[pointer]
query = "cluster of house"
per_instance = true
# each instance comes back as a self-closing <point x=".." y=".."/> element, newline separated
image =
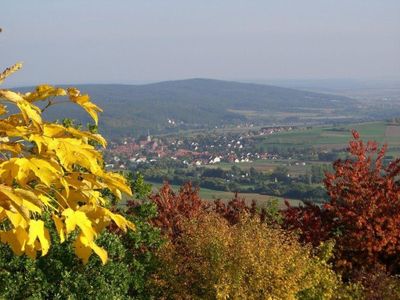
<point x="275" y="129"/>
<point x="190" y="151"/>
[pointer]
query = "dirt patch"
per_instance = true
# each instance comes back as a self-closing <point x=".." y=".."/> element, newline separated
<point x="392" y="131"/>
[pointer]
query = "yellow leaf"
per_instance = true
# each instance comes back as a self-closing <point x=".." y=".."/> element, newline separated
<point x="84" y="101"/>
<point x="12" y="130"/>
<point x="16" y="202"/>
<point x="7" y="72"/>
<point x="116" y="183"/>
<point x="29" y="111"/>
<point x="100" y="252"/>
<point x="43" y="92"/>
<point x="16" y="238"/>
<point x="39" y="140"/>
<point x="74" y="198"/>
<point x="3" y="214"/>
<point x="23" y="170"/>
<point x="38" y="231"/>
<point x="71" y="151"/>
<point x="11" y="96"/>
<point x="84" y="181"/>
<point x="7" y="191"/>
<point x="14" y="148"/>
<point x="46" y="201"/>
<point x="78" y="218"/>
<point x="54" y="130"/>
<point x="10" y="171"/>
<point x="3" y="109"/>
<point x="30" y="251"/>
<point x="84" y="248"/>
<point x="59" y="227"/>
<point x="81" y="249"/>
<point x="99" y="216"/>
<point x="91" y="136"/>
<point x="45" y="170"/>
<point x="29" y="200"/>
<point x="65" y="184"/>
<point x="121" y="221"/>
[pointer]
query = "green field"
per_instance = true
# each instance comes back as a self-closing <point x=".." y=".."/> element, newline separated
<point x="295" y="167"/>
<point x="325" y="138"/>
<point x="335" y="137"/>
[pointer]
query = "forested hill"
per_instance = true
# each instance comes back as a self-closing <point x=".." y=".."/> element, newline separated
<point x="195" y="103"/>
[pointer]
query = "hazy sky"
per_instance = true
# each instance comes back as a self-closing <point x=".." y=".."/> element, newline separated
<point x="117" y="41"/>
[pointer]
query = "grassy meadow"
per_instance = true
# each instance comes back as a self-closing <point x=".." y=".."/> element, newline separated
<point x="336" y="136"/>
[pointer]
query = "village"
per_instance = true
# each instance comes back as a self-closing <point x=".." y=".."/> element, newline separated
<point x="199" y="150"/>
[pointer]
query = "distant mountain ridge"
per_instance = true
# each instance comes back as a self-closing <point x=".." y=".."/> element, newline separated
<point x="194" y="103"/>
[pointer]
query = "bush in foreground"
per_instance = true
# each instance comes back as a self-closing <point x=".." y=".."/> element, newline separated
<point x="249" y="260"/>
<point x="60" y="274"/>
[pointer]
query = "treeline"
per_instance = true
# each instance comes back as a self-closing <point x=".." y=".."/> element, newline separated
<point x="191" y="104"/>
<point x="280" y="183"/>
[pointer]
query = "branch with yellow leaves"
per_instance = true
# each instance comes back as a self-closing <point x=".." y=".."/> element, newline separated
<point x="55" y="169"/>
<point x="7" y="72"/>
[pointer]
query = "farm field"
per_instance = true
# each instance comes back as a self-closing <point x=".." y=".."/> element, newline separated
<point x="301" y="116"/>
<point x="323" y="138"/>
<point x="295" y="167"/>
<point x="336" y="136"/>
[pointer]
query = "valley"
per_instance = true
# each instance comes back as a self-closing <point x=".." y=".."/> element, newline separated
<point x="284" y="162"/>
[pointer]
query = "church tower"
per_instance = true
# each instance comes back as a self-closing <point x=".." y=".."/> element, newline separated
<point x="148" y="136"/>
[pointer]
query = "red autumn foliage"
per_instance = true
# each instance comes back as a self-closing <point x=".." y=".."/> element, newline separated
<point x="173" y="208"/>
<point x="365" y="203"/>
<point x="363" y="214"/>
<point x="232" y="210"/>
<point x="313" y="222"/>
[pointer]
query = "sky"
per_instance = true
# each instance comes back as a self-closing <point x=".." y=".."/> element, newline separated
<point x="129" y="41"/>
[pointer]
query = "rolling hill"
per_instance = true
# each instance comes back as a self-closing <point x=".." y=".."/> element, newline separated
<point x="199" y="103"/>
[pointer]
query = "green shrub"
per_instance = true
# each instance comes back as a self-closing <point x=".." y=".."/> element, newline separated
<point x="60" y="275"/>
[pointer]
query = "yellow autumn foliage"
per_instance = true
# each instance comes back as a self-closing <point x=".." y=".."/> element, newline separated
<point x="214" y="260"/>
<point x="51" y="168"/>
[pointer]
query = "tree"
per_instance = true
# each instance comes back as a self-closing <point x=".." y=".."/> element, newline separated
<point x="365" y="206"/>
<point x="174" y="208"/>
<point x="362" y="215"/>
<point x="317" y="173"/>
<point x="281" y="174"/>
<point x="52" y="169"/>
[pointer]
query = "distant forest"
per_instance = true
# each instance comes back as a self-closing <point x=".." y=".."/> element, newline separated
<point x="131" y="110"/>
